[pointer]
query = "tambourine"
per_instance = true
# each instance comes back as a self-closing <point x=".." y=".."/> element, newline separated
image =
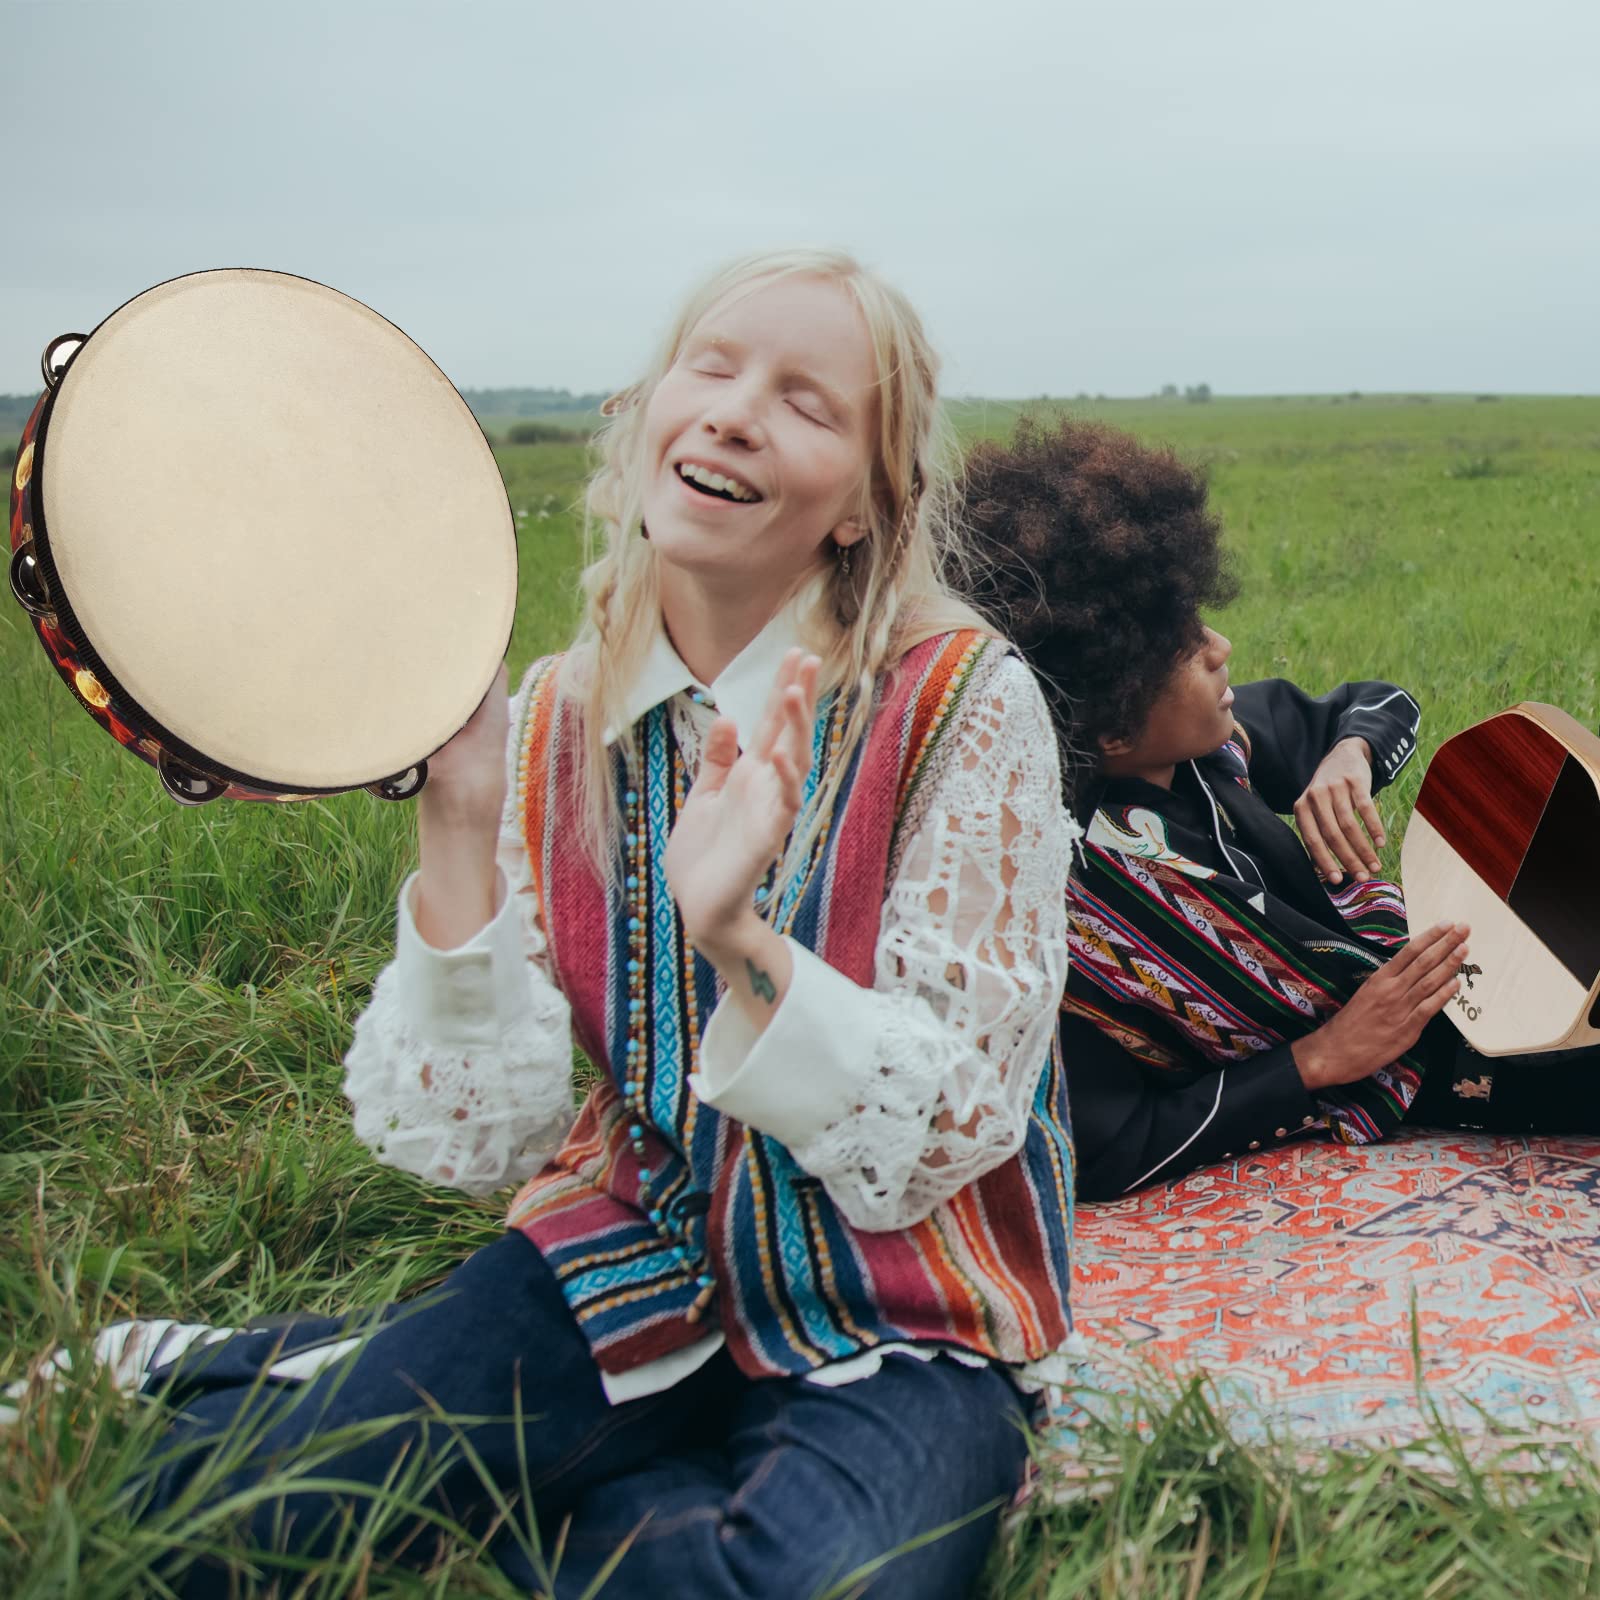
<point x="1506" y="838"/>
<point x="262" y="539"/>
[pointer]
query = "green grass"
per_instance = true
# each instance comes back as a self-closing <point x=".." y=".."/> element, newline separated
<point x="179" y="987"/>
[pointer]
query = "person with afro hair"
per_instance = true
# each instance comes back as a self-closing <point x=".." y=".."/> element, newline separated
<point x="1232" y="986"/>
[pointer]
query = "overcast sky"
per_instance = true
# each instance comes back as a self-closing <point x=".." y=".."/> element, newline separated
<point x="1265" y="195"/>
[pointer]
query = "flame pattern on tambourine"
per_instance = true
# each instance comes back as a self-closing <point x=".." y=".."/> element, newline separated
<point x="121" y="722"/>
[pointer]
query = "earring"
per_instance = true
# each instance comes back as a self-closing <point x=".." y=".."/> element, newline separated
<point x="844" y="559"/>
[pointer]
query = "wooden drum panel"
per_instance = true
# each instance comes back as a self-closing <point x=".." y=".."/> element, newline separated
<point x="1506" y="837"/>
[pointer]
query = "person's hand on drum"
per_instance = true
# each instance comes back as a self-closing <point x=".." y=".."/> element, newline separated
<point x="467" y="778"/>
<point x="1338" y="818"/>
<point x="1386" y="1015"/>
<point x="458" y="824"/>
<point x="742" y="808"/>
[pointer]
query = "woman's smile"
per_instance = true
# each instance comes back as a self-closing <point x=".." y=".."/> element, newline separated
<point x="709" y="480"/>
<point x="759" y="434"/>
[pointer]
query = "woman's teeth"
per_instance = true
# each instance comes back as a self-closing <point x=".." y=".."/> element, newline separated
<point x="715" y="483"/>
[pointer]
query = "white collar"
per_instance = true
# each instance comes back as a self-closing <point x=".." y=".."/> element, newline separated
<point x="741" y="690"/>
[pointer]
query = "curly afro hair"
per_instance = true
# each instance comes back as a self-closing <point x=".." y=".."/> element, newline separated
<point x="1096" y="554"/>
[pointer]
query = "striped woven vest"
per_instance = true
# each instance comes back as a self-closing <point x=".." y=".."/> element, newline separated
<point x="796" y="1285"/>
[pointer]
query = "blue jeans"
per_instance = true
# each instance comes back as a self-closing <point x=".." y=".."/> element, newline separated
<point x="730" y="1486"/>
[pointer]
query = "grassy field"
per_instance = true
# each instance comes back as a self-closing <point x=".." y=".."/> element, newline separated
<point x="179" y="987"/>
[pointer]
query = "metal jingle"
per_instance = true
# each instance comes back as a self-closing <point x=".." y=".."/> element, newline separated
<point x="52" y="373"/>
<point x="185" y="785"/>
<point x="27" y="583"/>
<point x="403" y="785"/>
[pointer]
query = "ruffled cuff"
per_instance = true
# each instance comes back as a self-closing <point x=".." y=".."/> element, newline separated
<point x="470" y="1116"/>
<point x="470" y="995"/>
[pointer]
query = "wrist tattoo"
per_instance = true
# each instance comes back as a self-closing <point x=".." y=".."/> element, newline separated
<point x="761" y="982"/>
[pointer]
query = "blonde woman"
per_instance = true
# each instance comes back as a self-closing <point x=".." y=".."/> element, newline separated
<point x="779" y="843"/>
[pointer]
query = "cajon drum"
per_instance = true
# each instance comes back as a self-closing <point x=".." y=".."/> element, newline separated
<point x="1506" y="837"/>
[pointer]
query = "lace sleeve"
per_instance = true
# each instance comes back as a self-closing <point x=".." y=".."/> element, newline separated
<point x="931" y="1074"/>
<point x="460" y="1069"/>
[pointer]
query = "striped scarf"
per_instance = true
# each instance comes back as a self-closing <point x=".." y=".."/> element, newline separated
<point x="796" y="1285"/>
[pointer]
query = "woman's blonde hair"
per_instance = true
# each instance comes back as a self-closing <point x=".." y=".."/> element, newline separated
<point x="890" y="595"/>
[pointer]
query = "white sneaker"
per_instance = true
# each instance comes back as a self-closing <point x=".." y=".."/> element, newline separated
<point x="129" y="1351"/>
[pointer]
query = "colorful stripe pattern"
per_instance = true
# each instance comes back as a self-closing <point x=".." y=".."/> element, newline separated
<point x="797" y="1286"/>
<point x="1171" y="958"/>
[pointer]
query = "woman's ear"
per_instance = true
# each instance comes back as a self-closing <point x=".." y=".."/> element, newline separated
<point x="1110" y="746"/>
<point x="848" y="533"/>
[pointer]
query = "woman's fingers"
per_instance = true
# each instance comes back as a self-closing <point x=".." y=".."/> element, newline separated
<point x="789" y="781"/>
<point x="791" y="751"/>
<point x="803" y="679"/>
<point x="718" y="758"/>
<point x="793" y="708"/>
<point x="772" y="717"/>
<point x="795" y="741"/>
<point x="502" y="681"/>
<point x="783" y="738"/>
<point x="809" y="671"/>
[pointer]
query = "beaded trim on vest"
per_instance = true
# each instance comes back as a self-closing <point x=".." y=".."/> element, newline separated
<point x="657" y="1203"/>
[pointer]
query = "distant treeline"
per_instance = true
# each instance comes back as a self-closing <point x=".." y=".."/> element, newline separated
<point x="14" y="408"/>
<point x="528" y="402"/>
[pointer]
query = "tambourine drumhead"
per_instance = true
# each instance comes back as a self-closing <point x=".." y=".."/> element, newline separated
<point x="1506" y="838"/>
<point x="280" y="527"/>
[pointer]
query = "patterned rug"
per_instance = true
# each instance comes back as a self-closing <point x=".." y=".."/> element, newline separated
<point x="1307" y="1281"/>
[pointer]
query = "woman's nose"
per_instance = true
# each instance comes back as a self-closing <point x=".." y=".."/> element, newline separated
<point x="735" y="414"/>
<point x="1221" y="646"/>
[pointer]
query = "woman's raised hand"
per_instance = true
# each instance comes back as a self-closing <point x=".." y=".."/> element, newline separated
<point x="458" y="824"/>
<point x="742" y="808"/>
<point x="467" y="778"/>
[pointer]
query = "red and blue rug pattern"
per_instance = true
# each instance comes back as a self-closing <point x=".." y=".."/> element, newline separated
<point x="1348" y="1296"/>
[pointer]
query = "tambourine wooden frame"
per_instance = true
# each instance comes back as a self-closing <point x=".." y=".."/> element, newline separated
<point x="187" y="774"/>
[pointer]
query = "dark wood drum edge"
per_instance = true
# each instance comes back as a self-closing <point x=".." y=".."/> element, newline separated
<point x="1516" y="758"/>
<point x="1582" y="742"/>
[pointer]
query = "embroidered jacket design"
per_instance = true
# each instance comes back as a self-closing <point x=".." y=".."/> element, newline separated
<point x="1166" y="946"/>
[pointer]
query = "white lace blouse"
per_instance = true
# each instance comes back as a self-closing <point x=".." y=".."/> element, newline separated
<point x="895" y="1097"/>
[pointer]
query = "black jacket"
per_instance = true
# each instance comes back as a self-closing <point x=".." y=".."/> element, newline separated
<point x="1132" y="1125"/>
